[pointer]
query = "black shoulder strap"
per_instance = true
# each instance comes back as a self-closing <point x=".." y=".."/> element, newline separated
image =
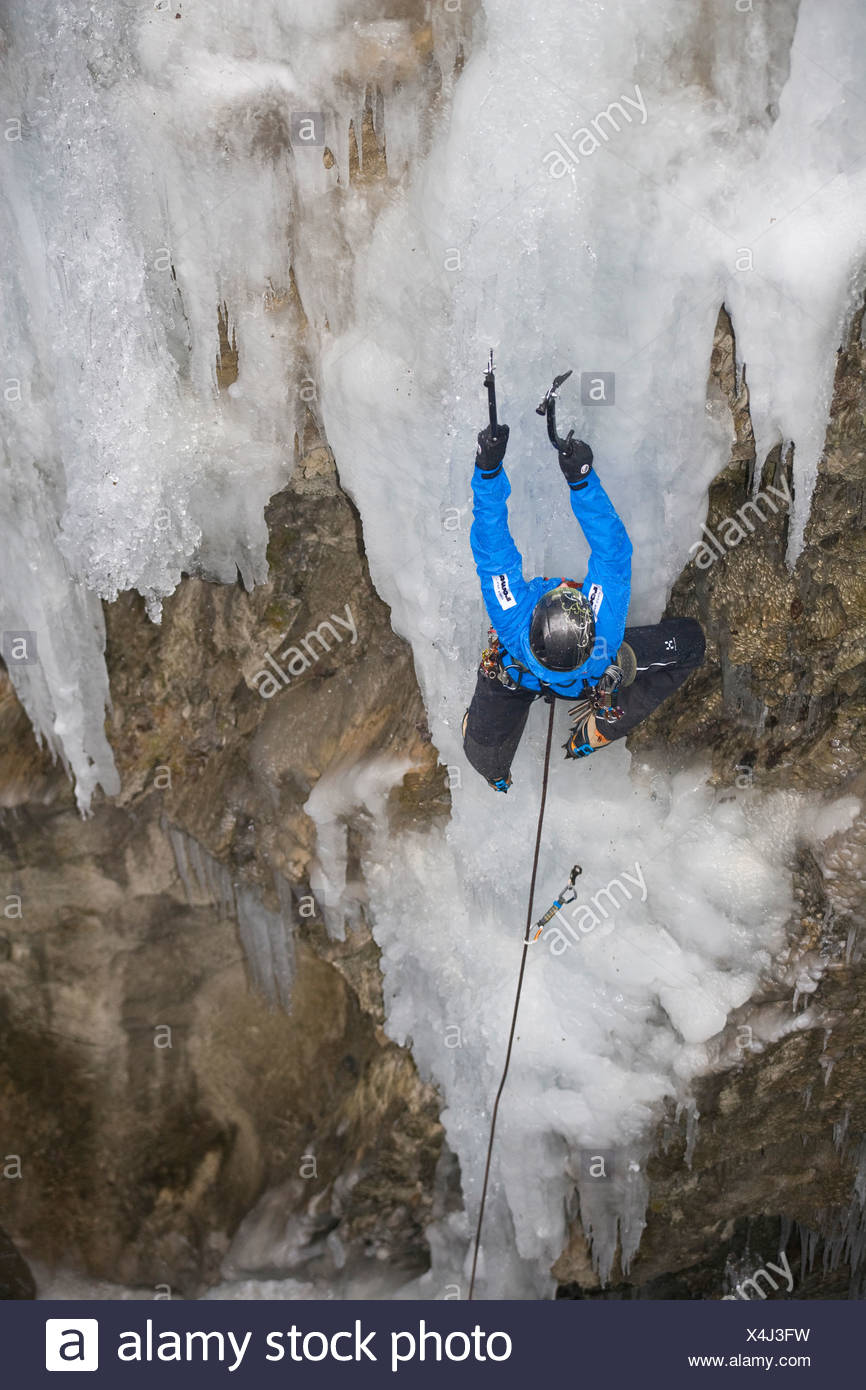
<point x="508" y="661"/>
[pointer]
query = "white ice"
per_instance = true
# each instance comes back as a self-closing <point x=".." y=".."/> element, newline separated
<point x="153" y="182"/>
<point x="743" y="185"/>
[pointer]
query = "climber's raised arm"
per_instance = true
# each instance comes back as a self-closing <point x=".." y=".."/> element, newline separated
<point x="608" y="539"/>
<point x="497" y="559"/>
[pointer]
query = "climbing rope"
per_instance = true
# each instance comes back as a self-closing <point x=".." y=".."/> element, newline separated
<point x="550" y="699"/>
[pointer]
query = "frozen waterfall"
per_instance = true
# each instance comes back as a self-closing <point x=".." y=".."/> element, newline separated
<point x="578" y="184"/>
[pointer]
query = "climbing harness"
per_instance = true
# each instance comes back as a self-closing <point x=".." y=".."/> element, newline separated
<point x="497" y="664"/>
<point x="492" y="665"/>
<point x="526" y="943"/>
<point x="568" y="895"/>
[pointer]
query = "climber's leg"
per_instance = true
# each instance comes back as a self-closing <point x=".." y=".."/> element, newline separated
<point x="493" y="726"/>
<point x="666" y="653"/>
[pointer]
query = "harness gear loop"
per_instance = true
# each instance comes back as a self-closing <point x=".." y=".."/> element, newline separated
<point x="552" y="701"/>
<point x="492" y="664"/>
<point x="497" y="664"/>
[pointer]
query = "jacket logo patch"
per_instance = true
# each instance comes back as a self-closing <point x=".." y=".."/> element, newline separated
<point x="595" y="596"/>
<point x="502" y="590"/>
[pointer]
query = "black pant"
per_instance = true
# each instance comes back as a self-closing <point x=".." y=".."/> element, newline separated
<point x="666" y="652"/>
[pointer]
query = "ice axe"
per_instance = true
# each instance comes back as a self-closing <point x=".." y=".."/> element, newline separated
<point x="548" y="408"/>
<point x="490" y="383"/>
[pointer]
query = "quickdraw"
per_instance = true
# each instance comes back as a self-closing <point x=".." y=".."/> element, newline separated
<point x="604" y="695"/>
<point x="609" y="714"/>
<point x="568" y="895"/>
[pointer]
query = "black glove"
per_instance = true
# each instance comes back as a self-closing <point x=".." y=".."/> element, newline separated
<point x="575" y="460"/>
<point x="607" y="687"/>
<point x="491" y="452"/>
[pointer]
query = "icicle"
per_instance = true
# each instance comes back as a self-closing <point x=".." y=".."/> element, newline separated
<point x="692" y="1119"/>
<point x="785" y="1228"/>
<point x="840" y="1130"/>
<point x="205" y="878"/>
<point x="632" y="1220"/>
<point x="812" y="1242"/>
<point x="267" y="937"/>
<point x="178" y="844"/>
<point x="850" y="943"/>
<point x="860" y="1177"/>
<point x="266" y="945"/>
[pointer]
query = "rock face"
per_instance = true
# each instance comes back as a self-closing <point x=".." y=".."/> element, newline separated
<point x="782" y="690"/>
<point x="149" y="1093"/>
<point x="16" y="1281"/>
<point x="153" y="1085"/>
<point x="158" y="1102"/>
<point x="780" y="703"/>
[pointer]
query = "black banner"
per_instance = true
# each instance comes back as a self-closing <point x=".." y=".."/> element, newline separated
<point x="259" y="1344"/>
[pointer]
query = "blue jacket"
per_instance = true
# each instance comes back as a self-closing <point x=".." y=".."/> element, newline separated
<point x="510" y="600"/>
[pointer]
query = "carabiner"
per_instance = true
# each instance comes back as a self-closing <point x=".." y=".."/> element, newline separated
<point x="568" y="895"/>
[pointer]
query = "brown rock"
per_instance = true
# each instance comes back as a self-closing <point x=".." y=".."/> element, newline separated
<point x="152" y="1094"/>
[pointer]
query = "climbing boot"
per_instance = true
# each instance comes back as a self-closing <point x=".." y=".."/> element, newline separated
<point x="584" y="737"/>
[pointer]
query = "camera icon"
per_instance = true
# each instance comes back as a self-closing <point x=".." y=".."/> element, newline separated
<point x="71" y="1344"/>
<point x="598" y="1164"/>
<point x="308" y="128"/>
<point x="19" y="648"/>
<point x="598" y="388"/>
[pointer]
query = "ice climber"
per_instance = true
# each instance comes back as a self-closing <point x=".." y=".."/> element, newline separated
<point x="560" y="637"/>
